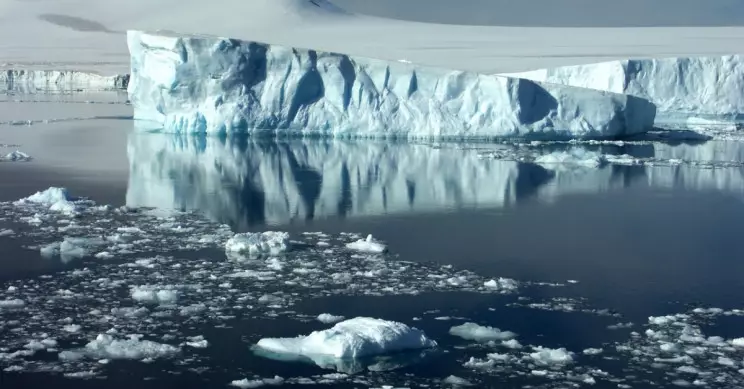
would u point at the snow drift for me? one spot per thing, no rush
(679, 87)
(214, 85)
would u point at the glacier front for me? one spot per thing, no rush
(193, 84)
(681, 88)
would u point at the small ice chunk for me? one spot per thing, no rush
(257, 244)
(353, 338)
(546, 356)
(512, 344)
(147, 294)
(661, 320)
(257, 383)
(368, 245)
(575, 157)
(107, 347)
(12, 304)
(197, 342)
(456, 381)
(7, 232)
(723, 361)
(504, 284)
(593, 351)
(72, 328)
(472, 331)
(738, 342)
(327, 318)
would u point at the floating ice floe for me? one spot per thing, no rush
(353, 338)
(12, 304)
(473, 331)
(575, 157)
(677, 349)
(257, 383)
(547, 356)
(502, 284)
(368, 245)
(456, 381)
(106, 346)
(6, 232)
(257, 244)
(149, 294)
(327, 318)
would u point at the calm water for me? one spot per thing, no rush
(640, 240)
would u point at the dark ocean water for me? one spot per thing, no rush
(639, 241)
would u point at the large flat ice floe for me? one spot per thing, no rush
(354, 338)
(680, 87)
(197, 84)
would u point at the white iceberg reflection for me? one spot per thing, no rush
(244, 182)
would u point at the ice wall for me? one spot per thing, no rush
(54, 80)
(679, 87)
(199, 84)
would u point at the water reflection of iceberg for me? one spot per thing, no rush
(246, 181)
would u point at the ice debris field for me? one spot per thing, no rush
(132, 296)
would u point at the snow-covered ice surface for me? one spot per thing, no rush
(199, 84)
(86, 34)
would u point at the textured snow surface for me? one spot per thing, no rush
(679, 87)
(197, 84)
(354, 338)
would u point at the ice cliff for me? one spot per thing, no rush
(214, 85)
(679, 87)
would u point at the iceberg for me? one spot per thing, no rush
(351, 339)
(195, 84)
(30, 80)
(680, 87)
